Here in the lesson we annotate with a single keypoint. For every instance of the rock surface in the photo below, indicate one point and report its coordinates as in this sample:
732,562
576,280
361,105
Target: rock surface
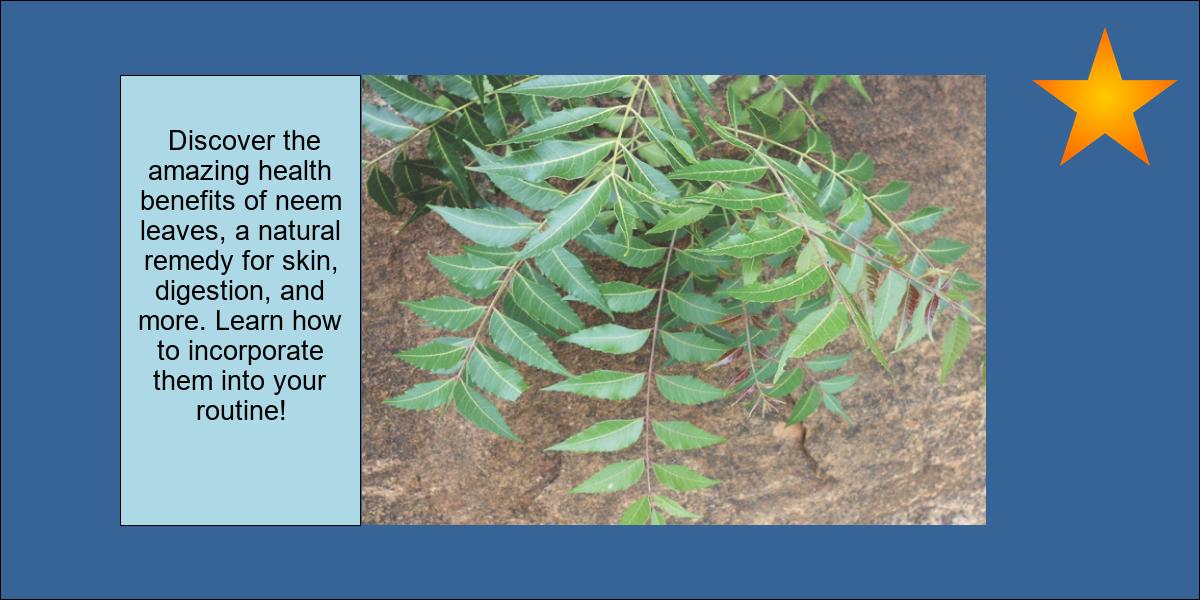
915,453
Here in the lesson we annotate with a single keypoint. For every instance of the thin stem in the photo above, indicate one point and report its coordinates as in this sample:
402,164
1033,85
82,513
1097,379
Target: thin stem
487,315
662,291
438,120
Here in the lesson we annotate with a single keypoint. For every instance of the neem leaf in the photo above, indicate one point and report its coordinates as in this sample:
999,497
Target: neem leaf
424,396
518,340
945,250
954,344
570,86
695,308
494,376
472,405
637,513
805,406
385,123
682,435
681,478
689,346
570,274
613,478
814,332
603,384
490,226
720,169
782,288
446,312
433,356
685,389
610,338
406,98
544,304
622,296
893,195
562,122
575,214
674,508
605,436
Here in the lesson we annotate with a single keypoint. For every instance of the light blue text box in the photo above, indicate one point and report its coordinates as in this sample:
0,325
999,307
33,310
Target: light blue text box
174,468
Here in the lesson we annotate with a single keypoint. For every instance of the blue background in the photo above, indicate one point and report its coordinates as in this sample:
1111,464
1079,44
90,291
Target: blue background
1092,470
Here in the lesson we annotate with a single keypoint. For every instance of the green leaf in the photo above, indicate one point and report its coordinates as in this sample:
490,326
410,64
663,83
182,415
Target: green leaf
406,98
606,385
695,308
518,340
954,344
446,312
820,84
565,159
861,324
681,478
837,385
381,189
805,406
832,362
701,264
626,297
893,195
445,151
782,288
385,123
433,356
563,122
424,396
605,436
610,338
468,270
575,214
855,83
569,274
682,435
757,242
613,478
495,227
638,254
689,346
476,409
674,508
637,513
860,168
494,376
742,199
570,86
814,332
537,195
721,169
743,87
923,219
835,407
544,304
788,383
853,209
887,302
685,389
681,218
964,283
946,251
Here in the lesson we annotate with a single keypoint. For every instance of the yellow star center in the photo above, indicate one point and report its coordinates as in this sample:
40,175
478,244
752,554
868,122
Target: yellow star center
1104,103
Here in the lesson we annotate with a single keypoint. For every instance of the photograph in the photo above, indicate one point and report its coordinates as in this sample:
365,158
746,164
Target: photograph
661,299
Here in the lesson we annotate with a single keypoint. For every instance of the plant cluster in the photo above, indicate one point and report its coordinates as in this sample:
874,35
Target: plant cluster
755,245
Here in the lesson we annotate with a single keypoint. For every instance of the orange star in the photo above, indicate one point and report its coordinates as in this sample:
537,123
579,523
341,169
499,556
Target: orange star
1104,103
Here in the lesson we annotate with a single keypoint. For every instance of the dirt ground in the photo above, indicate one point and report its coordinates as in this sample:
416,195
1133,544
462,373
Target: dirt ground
916,453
